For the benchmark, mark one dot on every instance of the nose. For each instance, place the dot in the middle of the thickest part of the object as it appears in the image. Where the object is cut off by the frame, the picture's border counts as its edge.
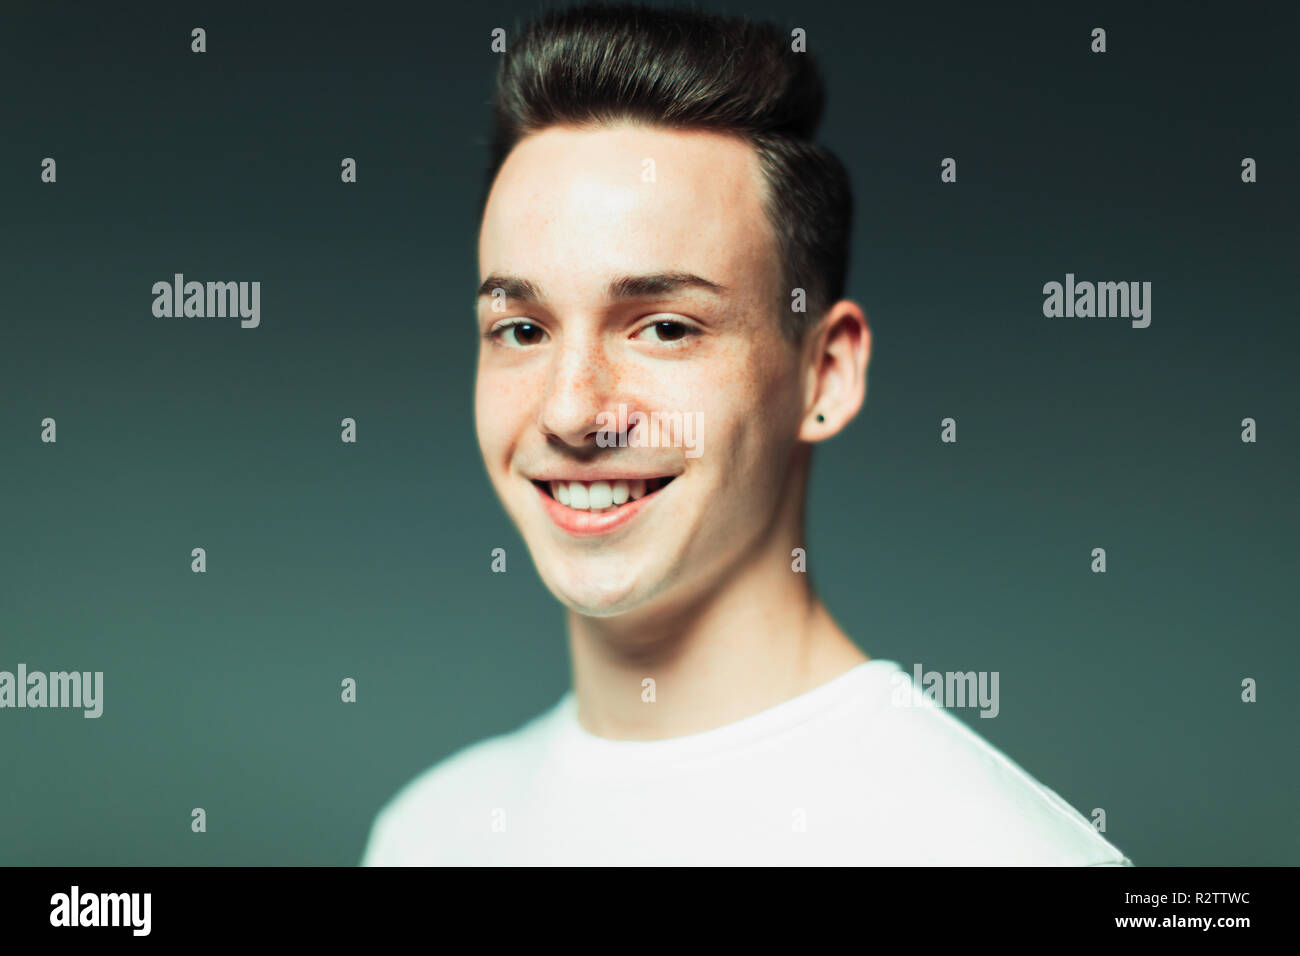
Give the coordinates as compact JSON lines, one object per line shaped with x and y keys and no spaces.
{"x":578,"y":388}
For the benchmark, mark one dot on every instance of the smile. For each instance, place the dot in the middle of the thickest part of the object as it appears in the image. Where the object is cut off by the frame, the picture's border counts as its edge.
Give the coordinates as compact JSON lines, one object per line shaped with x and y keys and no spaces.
{"x":598,"y":507}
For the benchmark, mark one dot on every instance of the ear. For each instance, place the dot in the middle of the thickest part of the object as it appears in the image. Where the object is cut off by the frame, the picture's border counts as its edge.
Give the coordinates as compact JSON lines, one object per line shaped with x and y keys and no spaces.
{"x":836,"y":378}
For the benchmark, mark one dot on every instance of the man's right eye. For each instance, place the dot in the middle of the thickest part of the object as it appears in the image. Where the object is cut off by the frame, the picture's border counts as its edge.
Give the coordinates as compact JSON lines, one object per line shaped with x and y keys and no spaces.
{"x":517,"y":333}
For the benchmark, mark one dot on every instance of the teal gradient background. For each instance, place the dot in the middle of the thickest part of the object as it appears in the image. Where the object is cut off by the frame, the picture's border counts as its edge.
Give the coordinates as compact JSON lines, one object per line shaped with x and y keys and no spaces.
{"x":327,"y":560}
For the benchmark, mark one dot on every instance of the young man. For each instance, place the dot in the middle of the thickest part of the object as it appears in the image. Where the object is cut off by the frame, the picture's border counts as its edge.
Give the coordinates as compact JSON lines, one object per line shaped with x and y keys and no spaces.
{"x":662,"y":242}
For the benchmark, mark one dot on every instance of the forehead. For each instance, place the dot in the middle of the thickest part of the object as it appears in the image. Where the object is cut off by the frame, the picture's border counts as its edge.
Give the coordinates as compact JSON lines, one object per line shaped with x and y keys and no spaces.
{"x":571,"y":207}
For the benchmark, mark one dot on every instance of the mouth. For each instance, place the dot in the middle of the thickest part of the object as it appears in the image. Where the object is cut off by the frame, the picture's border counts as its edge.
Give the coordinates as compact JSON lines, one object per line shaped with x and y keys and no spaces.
{"x":584,"y":508}
{"x":600,"y":497}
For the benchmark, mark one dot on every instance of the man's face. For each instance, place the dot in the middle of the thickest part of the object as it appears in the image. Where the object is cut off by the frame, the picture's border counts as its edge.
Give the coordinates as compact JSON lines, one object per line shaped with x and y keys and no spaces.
{"x":570,"y":213}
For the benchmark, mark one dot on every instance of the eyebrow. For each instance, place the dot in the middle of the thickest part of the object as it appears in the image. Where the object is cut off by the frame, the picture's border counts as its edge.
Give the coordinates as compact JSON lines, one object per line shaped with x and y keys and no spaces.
{"x":624,"y":287}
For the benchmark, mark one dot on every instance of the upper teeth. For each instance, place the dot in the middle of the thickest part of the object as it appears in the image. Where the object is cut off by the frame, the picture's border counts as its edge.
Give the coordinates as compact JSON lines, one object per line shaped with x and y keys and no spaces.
{"x":597,"y":495}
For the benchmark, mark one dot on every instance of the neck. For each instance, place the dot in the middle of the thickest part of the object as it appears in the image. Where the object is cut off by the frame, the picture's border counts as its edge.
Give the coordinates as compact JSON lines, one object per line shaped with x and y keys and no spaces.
{"x":756,"y":636}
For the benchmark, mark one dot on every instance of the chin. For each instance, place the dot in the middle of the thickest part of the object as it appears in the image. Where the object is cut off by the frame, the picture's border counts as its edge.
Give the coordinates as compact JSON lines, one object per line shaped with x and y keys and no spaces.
{"x":599,"y":591}
{"x":591,"y":607}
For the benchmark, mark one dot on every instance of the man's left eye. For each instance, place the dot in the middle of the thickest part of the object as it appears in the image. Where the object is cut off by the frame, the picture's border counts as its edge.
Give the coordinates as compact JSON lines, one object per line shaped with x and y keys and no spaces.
{"x":667,"y":331}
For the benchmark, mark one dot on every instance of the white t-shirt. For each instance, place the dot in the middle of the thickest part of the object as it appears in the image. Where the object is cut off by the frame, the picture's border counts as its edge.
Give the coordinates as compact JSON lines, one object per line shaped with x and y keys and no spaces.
{"x":842,"y":775}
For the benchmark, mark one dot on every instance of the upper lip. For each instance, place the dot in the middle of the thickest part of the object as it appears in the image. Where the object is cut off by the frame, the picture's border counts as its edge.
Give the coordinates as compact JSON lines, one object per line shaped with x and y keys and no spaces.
{"x":598,"y":474}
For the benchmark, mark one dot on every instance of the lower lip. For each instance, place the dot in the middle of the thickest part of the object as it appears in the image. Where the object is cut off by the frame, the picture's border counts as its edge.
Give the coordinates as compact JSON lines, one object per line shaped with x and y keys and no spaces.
{"x":584,"y":524}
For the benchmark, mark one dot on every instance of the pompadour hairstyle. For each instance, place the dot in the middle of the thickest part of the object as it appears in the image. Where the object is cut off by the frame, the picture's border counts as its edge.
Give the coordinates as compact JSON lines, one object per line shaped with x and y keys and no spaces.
{"x":684,"y":69}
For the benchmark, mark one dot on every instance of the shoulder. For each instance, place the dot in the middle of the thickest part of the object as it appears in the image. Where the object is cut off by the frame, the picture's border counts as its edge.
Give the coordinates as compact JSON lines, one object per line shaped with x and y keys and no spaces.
{"x":976,"y":804}
{"x":407,"y":828}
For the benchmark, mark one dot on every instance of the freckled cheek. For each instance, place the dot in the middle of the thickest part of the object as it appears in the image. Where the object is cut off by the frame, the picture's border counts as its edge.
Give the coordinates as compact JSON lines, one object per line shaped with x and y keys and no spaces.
{"x":502,"y":408}
{"x":745,"y":385}
{"x":730,"y":421}
{"x":754,"y":408}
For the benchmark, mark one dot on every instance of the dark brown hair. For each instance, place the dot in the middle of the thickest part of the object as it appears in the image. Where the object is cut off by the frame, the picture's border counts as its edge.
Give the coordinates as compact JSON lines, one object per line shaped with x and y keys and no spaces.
{"x":686,"y":69}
